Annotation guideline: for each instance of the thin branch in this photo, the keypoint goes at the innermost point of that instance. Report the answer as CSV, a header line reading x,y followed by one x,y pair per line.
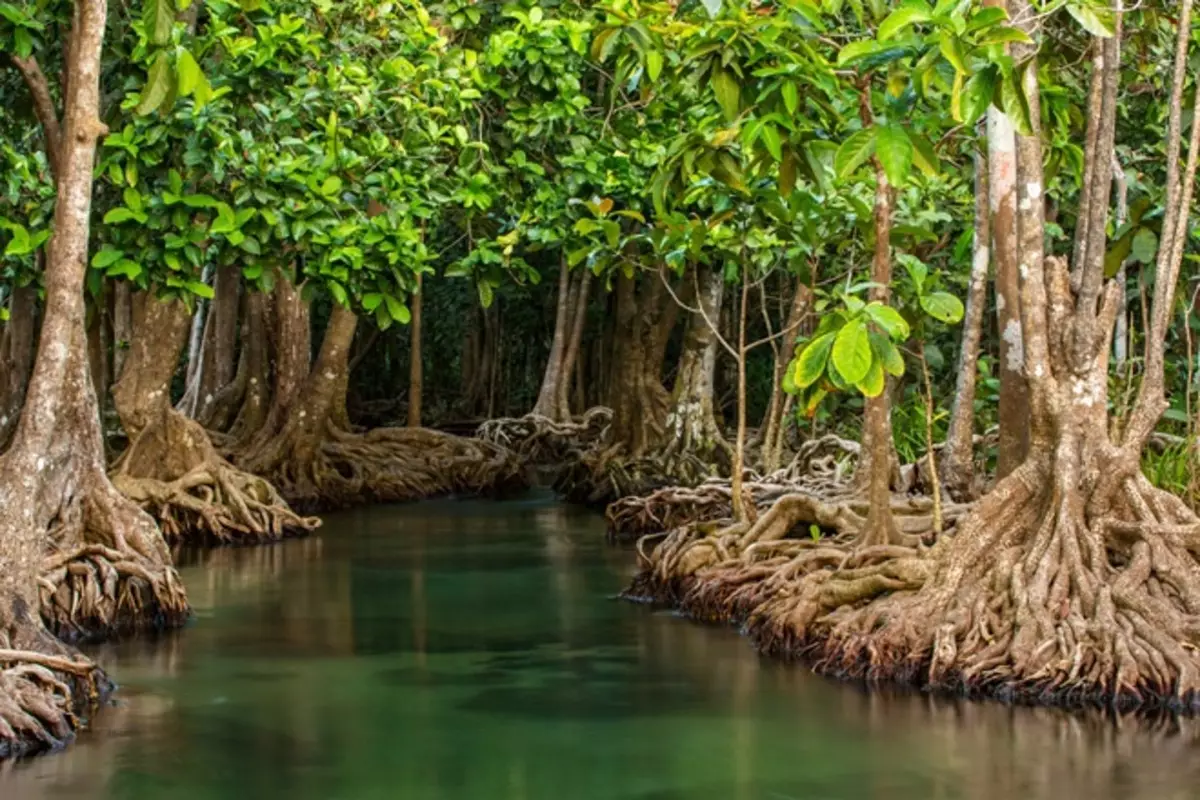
x,y
43,106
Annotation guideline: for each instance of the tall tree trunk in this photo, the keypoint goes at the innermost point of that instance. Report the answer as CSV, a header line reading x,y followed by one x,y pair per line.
x,y
639,399
737,470
547,404
958,458
1014,393
16,356
774,425
415,377
69,543
579,306
196,337
122,323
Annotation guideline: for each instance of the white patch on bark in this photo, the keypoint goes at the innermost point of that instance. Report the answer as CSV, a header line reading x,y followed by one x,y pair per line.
x,y
981,259
1000,303
1014,358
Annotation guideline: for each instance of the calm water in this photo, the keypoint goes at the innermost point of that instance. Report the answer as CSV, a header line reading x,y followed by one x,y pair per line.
x,y
469,650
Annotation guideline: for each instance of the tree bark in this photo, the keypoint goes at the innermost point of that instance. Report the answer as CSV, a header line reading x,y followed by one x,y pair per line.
x,y
774,422
218,348
547,404
579,306
958,456
639,399
58,512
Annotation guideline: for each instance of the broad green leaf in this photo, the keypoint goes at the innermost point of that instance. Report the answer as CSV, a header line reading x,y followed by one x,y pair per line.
x,y
339,292
331,186
810,364
485,294
397,310
952,48
106,256
728,92
787,173
985,18
895,152
159,17
200,289
943,307
770,137
908,13
887,354
791,96
853,152
977,95
158,85
852,352
873,382
117,215
1096,21
889,319
371,301
188,72
1016,106
856,50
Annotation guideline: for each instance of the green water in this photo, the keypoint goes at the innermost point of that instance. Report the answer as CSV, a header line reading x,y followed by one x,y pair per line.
x,y
470,650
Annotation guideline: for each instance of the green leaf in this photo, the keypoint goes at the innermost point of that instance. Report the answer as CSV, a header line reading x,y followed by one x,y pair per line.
x,y
485,294
952,48
159,17
339,292
331,186
728,92
397,310
21,243
770,137
853,152
188,73
118,215
787,173
889,319
158,85
887,354
852,351
371,301
1097,22
810,364
873,382
860,49
908,13
654,64
106,256
1145,246
895,153
942,306
977,95
200,289
791,96
924,156
226,221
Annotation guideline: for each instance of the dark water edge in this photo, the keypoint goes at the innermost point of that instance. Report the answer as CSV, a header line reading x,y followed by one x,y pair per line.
x,y
472,650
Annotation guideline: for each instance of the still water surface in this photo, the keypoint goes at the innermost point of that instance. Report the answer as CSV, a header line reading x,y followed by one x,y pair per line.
x,y
470,650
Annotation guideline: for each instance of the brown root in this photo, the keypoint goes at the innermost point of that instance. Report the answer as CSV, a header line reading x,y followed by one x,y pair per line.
x,y
45,687
1036,596
393,465
174,473
542,441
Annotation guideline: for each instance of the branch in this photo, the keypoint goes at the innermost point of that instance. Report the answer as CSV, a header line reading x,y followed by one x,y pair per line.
x,y
43,105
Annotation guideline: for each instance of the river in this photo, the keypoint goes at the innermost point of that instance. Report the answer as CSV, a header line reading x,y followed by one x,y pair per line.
x,y
472,650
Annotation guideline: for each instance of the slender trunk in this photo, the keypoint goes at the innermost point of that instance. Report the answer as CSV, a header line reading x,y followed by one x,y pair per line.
x,y
97,345
773,423
1014,393
415,377
737,483
958,457
1121,336
571,357
877,460
122,323
548,396
218,347
196,338
691,426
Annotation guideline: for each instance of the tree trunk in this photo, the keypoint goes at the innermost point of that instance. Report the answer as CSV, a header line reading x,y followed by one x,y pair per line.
x,y
218,347
1002,188
579,306
170,467
196,337
69,543
415,378
638,398
122,323
691,428
958,457
773,426
16,357
547,404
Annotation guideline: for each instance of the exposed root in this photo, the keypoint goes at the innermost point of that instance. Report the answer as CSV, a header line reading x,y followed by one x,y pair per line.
x,y
108,572
393,465
1040,595
541,440
174,473
44,689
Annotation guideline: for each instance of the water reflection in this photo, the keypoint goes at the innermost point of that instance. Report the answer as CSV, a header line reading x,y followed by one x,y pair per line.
x,y
470,651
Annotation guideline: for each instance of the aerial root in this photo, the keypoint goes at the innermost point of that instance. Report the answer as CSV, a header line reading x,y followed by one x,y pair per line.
x,y
216,503
93,590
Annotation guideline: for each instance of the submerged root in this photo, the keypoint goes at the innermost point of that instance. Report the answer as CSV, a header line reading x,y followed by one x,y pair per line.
x,y
1039,595
393,465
